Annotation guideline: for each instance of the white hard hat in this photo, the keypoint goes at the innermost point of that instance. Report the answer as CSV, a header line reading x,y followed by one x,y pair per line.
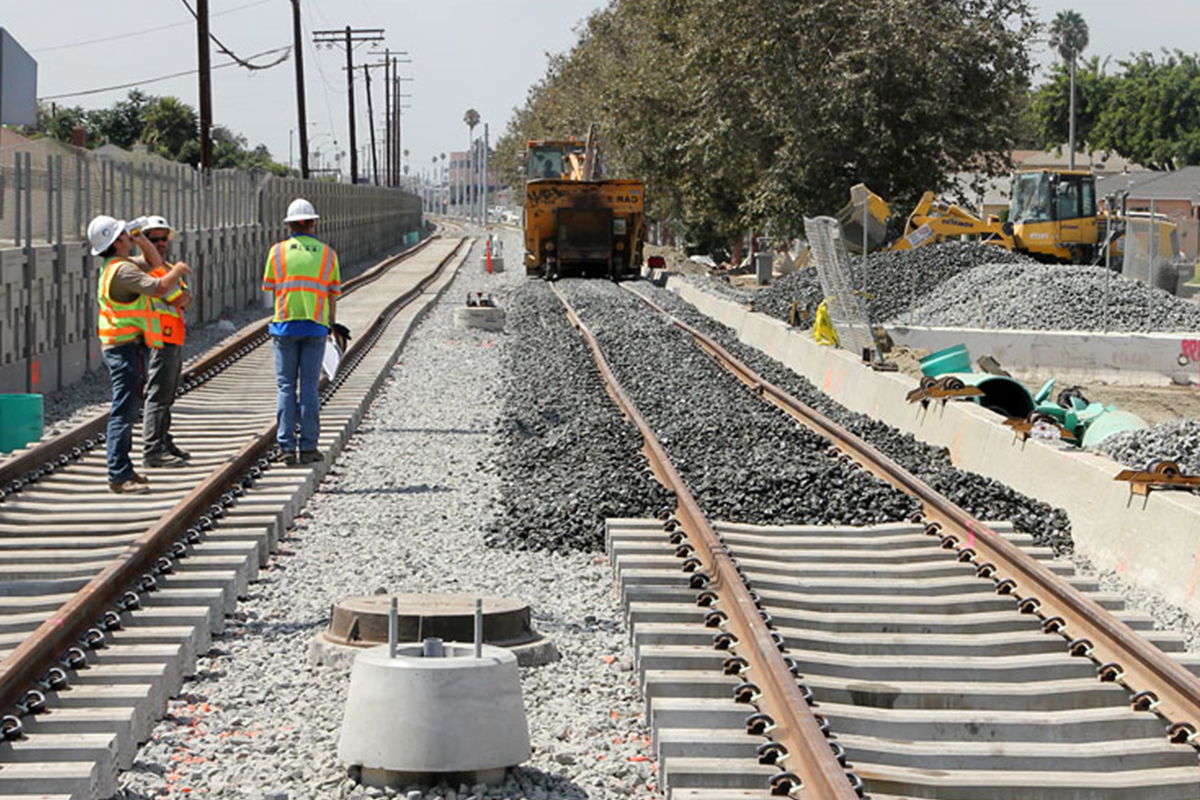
x,y
301,210
155,222
103,231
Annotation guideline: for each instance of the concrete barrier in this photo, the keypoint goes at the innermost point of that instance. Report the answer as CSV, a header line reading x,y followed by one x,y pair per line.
x,y
1138,359
1152,542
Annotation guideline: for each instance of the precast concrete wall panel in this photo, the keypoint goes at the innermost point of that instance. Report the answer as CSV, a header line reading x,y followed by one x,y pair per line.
x,y
48,276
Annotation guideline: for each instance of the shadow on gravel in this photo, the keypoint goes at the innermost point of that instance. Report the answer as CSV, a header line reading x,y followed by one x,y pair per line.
x,y
419,488
457,431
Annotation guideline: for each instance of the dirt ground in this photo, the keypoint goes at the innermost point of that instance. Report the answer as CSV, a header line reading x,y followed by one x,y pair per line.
x,y
1154,404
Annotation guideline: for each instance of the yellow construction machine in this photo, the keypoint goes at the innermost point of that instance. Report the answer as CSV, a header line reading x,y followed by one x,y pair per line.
x,y
576,221
1052,217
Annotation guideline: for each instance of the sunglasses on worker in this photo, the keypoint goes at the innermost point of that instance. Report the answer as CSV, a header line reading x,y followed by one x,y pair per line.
x,y
157,239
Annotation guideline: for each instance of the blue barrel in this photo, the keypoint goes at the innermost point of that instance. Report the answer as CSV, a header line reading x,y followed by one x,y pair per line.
x,y
20,420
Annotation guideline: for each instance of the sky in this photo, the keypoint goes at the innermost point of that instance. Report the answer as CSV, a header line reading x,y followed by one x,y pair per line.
x,y
483,54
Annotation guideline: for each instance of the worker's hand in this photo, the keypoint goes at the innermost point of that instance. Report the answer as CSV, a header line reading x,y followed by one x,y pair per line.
x,y
144,244
185,301
182,268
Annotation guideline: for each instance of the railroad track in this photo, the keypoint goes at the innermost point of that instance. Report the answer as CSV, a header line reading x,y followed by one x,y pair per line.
x,y
941,658
105,600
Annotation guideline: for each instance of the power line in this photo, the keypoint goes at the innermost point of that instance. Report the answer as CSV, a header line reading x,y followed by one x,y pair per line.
x,y
159,78
225,49
143,32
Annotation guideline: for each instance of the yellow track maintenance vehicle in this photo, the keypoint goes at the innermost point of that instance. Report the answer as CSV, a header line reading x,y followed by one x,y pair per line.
x,y
578,223
1053,217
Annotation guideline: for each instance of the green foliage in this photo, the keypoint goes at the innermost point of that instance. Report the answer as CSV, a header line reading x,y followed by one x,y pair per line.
x,y
1068,35
1148,111
751,115
169,126
1052,103
166,125
1153,112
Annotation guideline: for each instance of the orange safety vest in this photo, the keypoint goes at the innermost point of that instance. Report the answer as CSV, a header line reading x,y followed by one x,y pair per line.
x,y
170,318
304,275
120,323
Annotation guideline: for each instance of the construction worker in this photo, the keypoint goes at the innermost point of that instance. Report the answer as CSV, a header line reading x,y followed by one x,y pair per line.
x,y
305,277
166,362
127,326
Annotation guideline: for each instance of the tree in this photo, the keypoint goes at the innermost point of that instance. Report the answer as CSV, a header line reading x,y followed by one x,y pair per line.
x,y
123,123
1069,38
751,115
1051,103
169,126
1152,115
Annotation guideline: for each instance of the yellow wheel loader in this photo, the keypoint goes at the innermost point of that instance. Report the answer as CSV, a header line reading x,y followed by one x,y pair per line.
x,y
578,223
1052,217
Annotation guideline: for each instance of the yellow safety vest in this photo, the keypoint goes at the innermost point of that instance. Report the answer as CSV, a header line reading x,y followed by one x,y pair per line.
x,y
120,323
303,273
170,318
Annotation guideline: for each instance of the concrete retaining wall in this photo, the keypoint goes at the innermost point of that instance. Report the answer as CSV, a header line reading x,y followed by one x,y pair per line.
x,y
1153,542
1145,359
48,291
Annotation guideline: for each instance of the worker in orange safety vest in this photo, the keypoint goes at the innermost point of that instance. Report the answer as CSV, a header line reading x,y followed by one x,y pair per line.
x,y
166,363
128,326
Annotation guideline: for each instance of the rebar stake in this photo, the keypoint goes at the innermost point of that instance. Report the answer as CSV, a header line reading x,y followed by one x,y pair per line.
x,y
479,627
393,628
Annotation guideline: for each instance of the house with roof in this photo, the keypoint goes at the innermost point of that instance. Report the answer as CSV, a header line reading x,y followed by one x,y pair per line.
x,y
1174,194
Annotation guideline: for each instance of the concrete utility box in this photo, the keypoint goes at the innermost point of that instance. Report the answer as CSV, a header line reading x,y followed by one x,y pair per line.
x,y
18,83
418,719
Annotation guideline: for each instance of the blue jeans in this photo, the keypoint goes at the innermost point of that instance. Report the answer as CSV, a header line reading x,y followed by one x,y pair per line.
x,y
298,372
126,368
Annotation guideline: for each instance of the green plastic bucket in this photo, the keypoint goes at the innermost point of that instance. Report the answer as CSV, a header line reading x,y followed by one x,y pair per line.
x,y
20,420
952,359
412,237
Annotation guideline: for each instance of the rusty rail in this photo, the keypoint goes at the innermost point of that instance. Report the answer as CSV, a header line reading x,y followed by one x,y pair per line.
x,y
141,560
1091,630
792,723
45,457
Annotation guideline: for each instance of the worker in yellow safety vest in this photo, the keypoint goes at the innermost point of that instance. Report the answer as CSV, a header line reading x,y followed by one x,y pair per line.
x,y
127,326
166,363
304,276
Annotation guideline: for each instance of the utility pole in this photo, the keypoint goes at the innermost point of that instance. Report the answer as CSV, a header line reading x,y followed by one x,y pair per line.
x,y
205,66
352,36
371,122
298,48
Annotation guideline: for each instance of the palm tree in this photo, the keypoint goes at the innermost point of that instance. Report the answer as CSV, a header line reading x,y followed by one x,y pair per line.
x,y
1069,38
169,126
472,119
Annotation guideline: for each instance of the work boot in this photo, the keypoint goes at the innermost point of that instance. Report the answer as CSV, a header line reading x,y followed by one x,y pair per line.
x,y
178,452
129,486
286,457
167,459
141,478
309,456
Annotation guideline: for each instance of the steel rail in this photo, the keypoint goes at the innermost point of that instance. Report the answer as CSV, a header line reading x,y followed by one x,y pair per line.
x,y
27,664
1092,631
52,454
793,724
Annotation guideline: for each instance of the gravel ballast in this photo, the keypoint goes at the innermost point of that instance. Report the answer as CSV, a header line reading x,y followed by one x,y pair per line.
x,y
407,508
1177,441
743,460
983,497
973,285
568,460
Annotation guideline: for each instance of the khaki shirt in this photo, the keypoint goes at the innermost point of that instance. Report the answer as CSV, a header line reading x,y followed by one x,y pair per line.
x,y
129,281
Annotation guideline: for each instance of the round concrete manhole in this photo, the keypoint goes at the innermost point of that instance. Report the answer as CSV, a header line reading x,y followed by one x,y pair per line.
x,y
359,622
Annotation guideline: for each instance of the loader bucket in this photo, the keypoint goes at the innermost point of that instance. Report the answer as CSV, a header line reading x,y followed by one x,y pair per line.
x,y
851,219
